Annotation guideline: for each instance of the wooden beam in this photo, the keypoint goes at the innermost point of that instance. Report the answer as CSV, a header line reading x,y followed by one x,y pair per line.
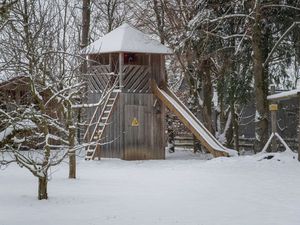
x,y
110,62
121,64
163,73
273,122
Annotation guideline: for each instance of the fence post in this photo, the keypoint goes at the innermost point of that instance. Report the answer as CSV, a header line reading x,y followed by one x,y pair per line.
x,y
273,122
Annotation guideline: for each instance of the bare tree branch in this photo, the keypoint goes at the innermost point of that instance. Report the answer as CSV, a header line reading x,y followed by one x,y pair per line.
x,y
279,41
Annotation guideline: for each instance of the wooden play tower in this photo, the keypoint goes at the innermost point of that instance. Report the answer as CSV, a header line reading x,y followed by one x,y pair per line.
x,y
129,124
127,95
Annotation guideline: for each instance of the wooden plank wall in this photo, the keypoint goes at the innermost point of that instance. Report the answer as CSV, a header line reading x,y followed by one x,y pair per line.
x,y
147,140
157,72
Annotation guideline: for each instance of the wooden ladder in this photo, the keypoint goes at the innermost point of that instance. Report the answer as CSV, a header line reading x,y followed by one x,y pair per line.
x,y
100,124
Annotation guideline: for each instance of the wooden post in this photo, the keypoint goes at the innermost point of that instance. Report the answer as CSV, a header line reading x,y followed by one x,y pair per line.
x,y
150,69
110,62
122,124
121,63
72,153
164,77
273,122
149,61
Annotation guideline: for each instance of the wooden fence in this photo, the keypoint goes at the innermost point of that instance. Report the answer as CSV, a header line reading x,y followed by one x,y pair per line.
x,y
187,142
135,78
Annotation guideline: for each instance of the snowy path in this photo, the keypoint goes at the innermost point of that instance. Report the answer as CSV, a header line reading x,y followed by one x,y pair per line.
x,y
229,191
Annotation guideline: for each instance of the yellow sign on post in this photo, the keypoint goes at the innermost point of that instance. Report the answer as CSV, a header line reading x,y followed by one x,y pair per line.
x,y
135,122
273,107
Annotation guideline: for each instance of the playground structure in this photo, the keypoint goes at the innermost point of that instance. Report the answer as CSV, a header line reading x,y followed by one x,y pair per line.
x,y
274,99
128,96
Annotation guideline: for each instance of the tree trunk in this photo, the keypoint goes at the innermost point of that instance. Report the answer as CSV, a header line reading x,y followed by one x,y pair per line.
x,y
159,13
261,121
86,12
72,166
228,131
43,188
207,97
72,155
194,104
235,126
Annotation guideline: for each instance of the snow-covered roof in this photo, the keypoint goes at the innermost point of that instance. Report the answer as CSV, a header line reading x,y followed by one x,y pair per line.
x,y
17,79
126,39
284,95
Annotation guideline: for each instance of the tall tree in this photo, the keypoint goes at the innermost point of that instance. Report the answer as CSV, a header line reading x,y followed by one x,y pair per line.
x,y
31,48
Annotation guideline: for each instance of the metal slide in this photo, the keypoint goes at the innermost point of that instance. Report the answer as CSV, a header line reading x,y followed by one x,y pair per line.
x,y
191,122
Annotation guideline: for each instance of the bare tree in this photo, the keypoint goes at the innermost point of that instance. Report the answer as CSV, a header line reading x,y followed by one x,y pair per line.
x,y
205,34
31,48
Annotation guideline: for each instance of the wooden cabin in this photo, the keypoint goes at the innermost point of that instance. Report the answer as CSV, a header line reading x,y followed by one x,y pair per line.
x,y
130,121
14,92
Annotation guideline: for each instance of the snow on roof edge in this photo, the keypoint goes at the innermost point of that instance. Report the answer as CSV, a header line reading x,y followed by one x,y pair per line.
x,y
284,95
126,38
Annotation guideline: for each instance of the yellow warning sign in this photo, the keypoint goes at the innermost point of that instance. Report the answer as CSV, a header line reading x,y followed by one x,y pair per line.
x,y
273,107
135,122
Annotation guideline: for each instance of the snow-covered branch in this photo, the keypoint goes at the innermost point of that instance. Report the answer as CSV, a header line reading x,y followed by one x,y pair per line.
x,y
243,36
231,16
280,6
280,40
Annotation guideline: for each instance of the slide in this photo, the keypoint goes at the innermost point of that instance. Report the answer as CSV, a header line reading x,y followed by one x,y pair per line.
x,y
191,122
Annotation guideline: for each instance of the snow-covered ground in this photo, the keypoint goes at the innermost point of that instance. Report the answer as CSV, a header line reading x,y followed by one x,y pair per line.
x,y
184,189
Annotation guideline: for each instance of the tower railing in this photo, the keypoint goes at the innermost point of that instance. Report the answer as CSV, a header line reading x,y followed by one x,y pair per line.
x,y
135,78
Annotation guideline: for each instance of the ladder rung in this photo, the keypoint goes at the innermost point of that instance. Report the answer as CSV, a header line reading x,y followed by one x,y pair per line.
x,y
90,151
109,105
107,111
99,133
104,118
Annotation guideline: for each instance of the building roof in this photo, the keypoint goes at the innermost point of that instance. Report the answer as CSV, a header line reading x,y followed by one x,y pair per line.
x,y
284,95
126,39
13,81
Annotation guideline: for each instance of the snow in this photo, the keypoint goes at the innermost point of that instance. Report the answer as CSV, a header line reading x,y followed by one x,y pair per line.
x,y
24,124
243,190
6,132
285,94
126,39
